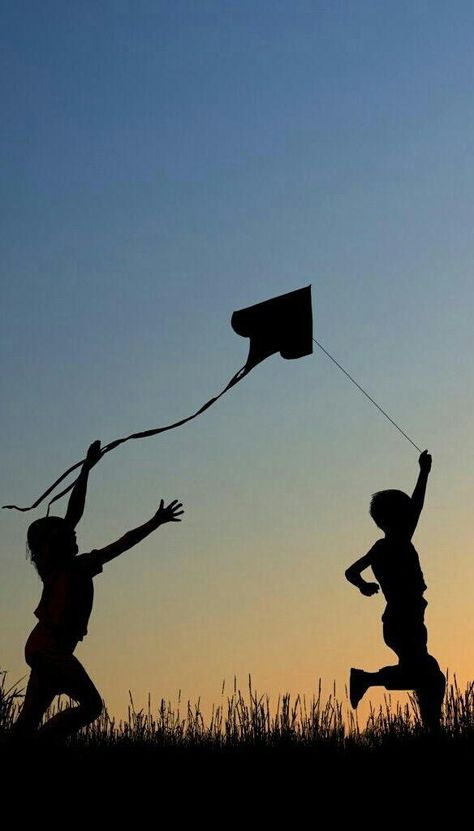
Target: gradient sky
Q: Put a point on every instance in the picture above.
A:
(165, 163)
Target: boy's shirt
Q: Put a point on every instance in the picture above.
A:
(397, 569)
(68, 595)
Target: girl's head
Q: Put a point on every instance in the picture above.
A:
(51, 540)
(391, 510)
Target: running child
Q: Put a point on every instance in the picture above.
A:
(64, 610)
(396, 567)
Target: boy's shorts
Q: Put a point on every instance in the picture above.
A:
(405, 632)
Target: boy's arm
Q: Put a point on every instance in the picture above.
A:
(418, 495)
(131, 538)
(77, 500)
(353, 574)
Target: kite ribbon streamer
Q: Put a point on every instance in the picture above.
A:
(142, 435)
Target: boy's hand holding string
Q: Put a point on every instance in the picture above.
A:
(418, 495)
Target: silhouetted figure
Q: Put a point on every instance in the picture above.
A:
(63, 613)
(395, 564)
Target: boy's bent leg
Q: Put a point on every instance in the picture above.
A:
(358, 686)
(392, 678)
(407, 638)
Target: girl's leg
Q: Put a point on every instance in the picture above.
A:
(71, 679)
(38, 698)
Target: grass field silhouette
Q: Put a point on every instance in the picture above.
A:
(249, 720)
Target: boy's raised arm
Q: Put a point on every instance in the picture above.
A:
(77, 500)
(170, 513)
(418, 495)
(353, 574)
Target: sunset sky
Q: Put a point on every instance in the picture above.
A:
(165, 163)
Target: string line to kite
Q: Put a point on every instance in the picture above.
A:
(366, 394)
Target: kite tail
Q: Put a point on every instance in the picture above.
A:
(48, 491)
(142, 435)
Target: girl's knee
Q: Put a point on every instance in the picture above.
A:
(89, 701)
(94, 705)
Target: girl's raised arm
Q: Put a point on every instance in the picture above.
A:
(77, 500)
(170, 513)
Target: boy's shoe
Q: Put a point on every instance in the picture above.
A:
(358, 686)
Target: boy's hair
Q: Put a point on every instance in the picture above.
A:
(39, 534)
(388, 508)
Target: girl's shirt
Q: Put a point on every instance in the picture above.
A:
(68, 595)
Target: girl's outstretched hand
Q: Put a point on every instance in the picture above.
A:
(170, 513)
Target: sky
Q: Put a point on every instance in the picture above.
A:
(163, 165)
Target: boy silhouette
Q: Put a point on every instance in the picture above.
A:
(395, 565)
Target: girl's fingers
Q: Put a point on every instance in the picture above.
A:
(172, 509)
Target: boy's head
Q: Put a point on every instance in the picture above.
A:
(49, 540)
(391, 510)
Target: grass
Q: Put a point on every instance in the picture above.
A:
(247, 756)
(247, 720)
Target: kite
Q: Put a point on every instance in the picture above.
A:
(282, 324)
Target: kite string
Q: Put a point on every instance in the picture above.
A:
(367, 395)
